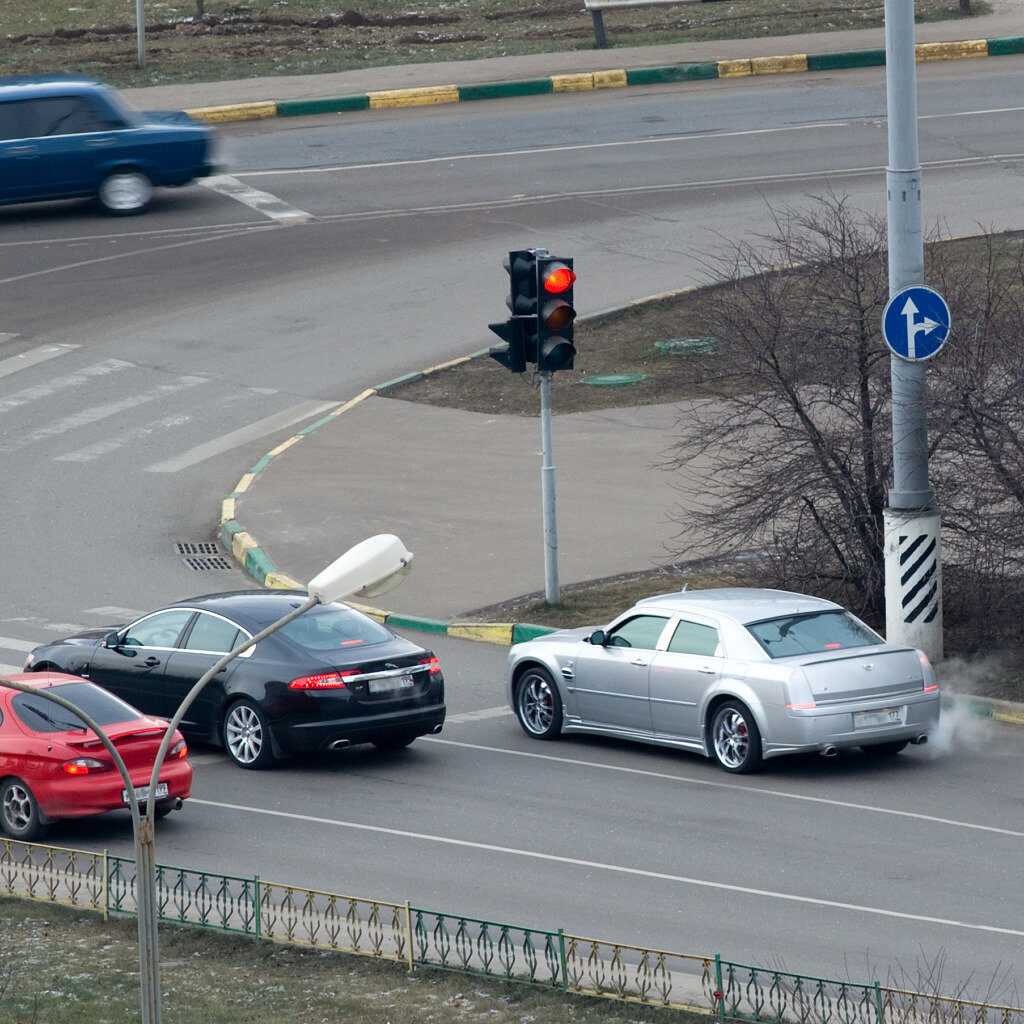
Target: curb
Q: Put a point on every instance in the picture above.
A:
(617, 78)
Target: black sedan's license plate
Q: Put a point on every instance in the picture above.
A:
(142, 793)
(403, 682)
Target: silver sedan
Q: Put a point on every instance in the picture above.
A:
(736, 674)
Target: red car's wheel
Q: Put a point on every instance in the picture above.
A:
(19, 812)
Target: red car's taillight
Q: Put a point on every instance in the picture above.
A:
(86, 766)
(178, 751)
(324, 681)
(433, 663)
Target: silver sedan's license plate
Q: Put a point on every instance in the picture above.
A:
(887, 716)
(142, 793)
(404, 682)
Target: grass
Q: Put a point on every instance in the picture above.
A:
(288, 37)
(62, 966)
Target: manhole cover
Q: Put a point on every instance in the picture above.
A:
(614, 380)
(202, 556)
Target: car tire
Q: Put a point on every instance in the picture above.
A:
(246, 735)
(125, 192)
(735, 738)
(397, 742)
(890, 749)
(538, 704)
(19, 812)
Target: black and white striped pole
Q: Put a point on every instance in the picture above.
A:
(915, 326)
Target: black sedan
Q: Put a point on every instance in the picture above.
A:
(328, 679)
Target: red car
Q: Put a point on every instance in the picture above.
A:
(52, 766)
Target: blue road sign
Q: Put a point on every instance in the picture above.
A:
(915, 324)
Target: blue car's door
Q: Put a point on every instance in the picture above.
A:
(19, 156)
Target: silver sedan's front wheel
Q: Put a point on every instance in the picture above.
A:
(735, 739)
(247, 735)
(125, 192)
(538, 704)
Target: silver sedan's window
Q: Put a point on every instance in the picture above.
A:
(642, 631)
(813, 633)
(694, 638)
(159, 630)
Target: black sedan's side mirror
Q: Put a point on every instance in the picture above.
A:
(597, 638)
(112, 640)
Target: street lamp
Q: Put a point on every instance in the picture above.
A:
(372, 567)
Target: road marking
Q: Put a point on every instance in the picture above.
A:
(262, 202)
(592, 865)
(113, 612)
(94, 414)
(11, 670)
(35, 356)
(95, 451)
(279, 421)
(477, 716)
(673, 777)
(51, 387)
(11, 644)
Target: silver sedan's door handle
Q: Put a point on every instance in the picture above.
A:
(640, 662)
(707, 670)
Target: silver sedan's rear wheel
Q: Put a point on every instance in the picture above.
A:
(247, 735)
(538, 704)
(125, 192)
(735, 739)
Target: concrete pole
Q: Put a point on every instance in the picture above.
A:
(140, 32)
(913, 566)
(547, 485)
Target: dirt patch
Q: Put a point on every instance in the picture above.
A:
(307, 36)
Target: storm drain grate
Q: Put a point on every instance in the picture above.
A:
(203, 556)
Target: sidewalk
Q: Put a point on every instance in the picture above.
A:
(462, 490)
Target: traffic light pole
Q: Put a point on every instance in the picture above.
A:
(547, 485)
(913, 565)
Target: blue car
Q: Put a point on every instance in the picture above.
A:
(63, 136)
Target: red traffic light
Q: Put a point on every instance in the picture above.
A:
(557, 278)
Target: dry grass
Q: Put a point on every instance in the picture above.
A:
(285, 37)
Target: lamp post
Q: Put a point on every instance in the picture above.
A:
(372, 567)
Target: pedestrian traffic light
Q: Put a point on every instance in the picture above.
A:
(555, 314)
(519, 332)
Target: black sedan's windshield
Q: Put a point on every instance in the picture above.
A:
(813, 633)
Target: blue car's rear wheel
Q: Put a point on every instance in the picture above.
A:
(125, 192)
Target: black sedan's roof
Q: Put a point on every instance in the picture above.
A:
(248, 608)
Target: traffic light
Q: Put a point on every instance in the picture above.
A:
(555, 314)
(519, 332)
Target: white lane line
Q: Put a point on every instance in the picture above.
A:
(96, 413)
(760, 790)
(11, 644)
(101, 448)
(10, 670)
(253, 432)
(35, 356)
(593, 865)
(262, 202)
(72, 380)
(477, 716)
(113, 612)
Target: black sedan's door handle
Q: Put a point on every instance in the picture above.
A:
(151, 661)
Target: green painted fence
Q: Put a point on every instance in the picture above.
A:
(415, 936)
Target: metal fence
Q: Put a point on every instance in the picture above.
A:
(402, 933)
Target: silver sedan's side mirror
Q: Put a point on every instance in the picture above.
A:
(597, 638)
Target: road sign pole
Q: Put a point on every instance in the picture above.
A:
(913, 588)
(552, 593)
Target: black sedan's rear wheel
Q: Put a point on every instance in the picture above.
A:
(19, 812)
(247, 735)
(538, 704)
(735, 738)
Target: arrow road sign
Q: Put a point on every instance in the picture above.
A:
(916, 323)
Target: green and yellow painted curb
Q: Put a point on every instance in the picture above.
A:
(615, 78)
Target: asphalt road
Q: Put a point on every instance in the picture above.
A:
(151, 361)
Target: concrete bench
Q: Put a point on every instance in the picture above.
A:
(598, 7)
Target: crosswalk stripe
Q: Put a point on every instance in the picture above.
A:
(35, 356)
(95, 451)
(100, 412)
(17, 645)
(10, 670)
(253, 432)
(262, 202)
(55, 384)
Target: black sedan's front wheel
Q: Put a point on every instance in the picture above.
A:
(538, 704)
(19, 812)
(247, 735)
